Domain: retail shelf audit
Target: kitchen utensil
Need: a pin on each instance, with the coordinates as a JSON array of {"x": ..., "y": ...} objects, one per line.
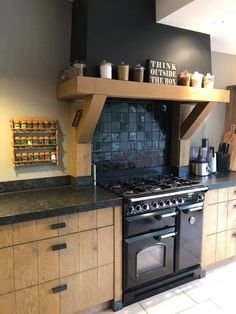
[
  {"x": 202, "y": 168},
  {"x": 212, "y": 160},
  {"x": 222, "y": 162}
]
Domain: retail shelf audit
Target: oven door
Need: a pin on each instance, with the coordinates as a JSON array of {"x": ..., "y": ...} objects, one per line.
[{"x": 148, "y": 257}]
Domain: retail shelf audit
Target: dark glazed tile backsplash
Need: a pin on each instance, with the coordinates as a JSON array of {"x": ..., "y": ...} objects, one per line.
[{"x": 132, "y": 134}]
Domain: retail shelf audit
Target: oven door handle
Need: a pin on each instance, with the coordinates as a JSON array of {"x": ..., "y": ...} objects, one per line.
[
  {"x": 194, "y": 209},
  {"x": 165, "y": 236},
  {"x": 160, "y": 217}
]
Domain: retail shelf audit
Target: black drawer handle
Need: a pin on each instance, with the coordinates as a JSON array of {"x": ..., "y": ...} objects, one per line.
[
  {"x": 58, "y": 247},
  {"x": 58, "y": 226},
  {"x": 234, "y": 235},
  {"x": 59, "y": 289}
]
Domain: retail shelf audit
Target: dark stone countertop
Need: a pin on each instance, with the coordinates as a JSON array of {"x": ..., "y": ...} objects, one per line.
[
  {"x": 218, "y": 181},
  {"x": 49, "y": 202}
]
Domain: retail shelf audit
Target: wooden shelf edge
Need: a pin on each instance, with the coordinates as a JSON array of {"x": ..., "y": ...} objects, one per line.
[{"x": 80, "y": 87}]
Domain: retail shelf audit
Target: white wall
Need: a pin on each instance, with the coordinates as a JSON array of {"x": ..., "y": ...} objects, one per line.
[
  {"x": 223, "y": 67},
  {"x": 34, "y": 47}
]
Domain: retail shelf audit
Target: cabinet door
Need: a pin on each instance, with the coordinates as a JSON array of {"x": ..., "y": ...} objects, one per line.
[
  {"x": 88, "y": 289},
  {"x": 27, "y": 301},
  {"x": 69, "y": 257},
  {"x": 24, "y": 232},
  {"x": 231, "y": 243},
  {"x": 88, "y": 250},
  {"x": 6, "y": 270},
  {"x": 210, "y": 219},
  {"x": 105, "y": 283},
  {"x": 6, "y": 238},
  {"x": 231, "y": 222},
  {"x": 47, "y": 228},
  {"x": 49, "y": 301},
  {"x": 209, "y": 250},
  {"x": 48, "y": 260},
  {"x": 222, "y": 195},
  {"x": 221, "y": 246},
  {"x": 232, "y": 193},
  {"x": 25, "y": 262},
  {"x": 222, "y": 217},
  {"x": 70, "y": 298},
  {"x": 105, "y": 246},
  {"x": 8, "y": 303},
  {"x": 211, "y": 197},
  {"x": 105, "y": 217}
]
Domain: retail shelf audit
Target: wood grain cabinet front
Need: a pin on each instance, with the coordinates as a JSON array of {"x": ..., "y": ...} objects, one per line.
[
  {"x": 8, "y": 304},
  {"x": 7, "y": 280}
]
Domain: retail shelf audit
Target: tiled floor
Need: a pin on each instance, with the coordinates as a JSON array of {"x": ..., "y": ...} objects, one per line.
[{"x": 214, "y": 294}]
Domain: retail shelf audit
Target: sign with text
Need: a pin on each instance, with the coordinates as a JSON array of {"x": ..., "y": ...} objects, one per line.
[{"x": 162, "y": 72}]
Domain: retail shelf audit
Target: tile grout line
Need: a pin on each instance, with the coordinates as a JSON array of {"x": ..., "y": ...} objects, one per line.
[{"x": 142, "y": 307}]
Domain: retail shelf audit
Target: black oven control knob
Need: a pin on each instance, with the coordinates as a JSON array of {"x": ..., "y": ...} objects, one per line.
[
  {"x": 138, "y": 208},
  {"x": 174, "y": 201},
  {"x": 161, "y": 203},
  {"x": 131, "y": 210},
  {"x": 200, "y": 197},
  {"x": 154, "y": 205},
  {"x": 180, "y": 200},
  {"x": 168, "y": 202},
  {"x": 145, "y": 207}
]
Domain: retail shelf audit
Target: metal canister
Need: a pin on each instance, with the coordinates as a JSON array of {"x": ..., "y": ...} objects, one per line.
[
  {"x": 79, "y": 67},
  {"x": 138, "y": 73}
]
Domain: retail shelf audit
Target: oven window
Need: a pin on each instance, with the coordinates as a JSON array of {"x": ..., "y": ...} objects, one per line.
[{"x": 151, "y": 258}]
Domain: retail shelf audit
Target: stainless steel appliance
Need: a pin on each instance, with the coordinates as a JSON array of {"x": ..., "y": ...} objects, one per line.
[{"x": 162, "y": 230}]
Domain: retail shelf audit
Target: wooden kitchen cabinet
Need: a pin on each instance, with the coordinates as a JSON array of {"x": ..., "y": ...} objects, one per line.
[
  {"x": 219, "y": 226},
  {"x": 81, "y": 253}
]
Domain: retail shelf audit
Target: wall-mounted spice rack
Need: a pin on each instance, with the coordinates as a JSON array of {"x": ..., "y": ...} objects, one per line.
[{"x": 34, "y": 141}]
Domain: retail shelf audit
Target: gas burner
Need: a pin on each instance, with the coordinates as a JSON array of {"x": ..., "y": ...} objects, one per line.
[{"x": 129, "y": 192}]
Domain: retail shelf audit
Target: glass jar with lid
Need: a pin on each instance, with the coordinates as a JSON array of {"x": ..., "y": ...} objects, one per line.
[
  {"x": 138, "y": 73},
  {"x": 79, "y": 67},
  {"x": 184, "y": 78},
  {"x": 105, "y": 69}
]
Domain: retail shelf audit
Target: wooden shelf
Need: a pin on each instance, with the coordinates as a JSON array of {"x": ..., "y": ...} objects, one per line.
[
  {"x": 80, "y": 87},
  {"x": 34, "y": 162},
  {"x": 35, "y": 146}
]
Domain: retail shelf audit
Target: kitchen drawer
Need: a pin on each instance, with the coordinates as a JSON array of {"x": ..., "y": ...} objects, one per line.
[
  {"x": 88, "y": 249},
  {"x": 70, "y": 298},
  {"x": 222, "y": 216},
  {"x": 49, "y": 300},
  {"x": 105, "y": 245},
  {"x": 211, "y": 197},
  {"x": 8, "y": 304},
  {"x": 223, "y": 195},
  {"x": 231, "y": 243},
  {"x": 25, "y": 265},
  {"x": 232, "y": 193},
  {"x": 231, "y": 221},
  {"x": 88, "y": 220},
  {"x": 27, "y": 301},
  {"x": 88, "y": 289},
  {"x": 7, "y": 282},
  {"x": 105, "y": 217},
  {"x": 69, "y": 224},
  {"x": 45, "y": 228},
  {"x": 6, "y": 236},
  {"x": 105, "y": 283},
  {"x": 24, "y": 232}
]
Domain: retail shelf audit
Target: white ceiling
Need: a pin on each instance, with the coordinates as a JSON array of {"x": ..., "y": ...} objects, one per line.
[{"x": 214, "y": 17}]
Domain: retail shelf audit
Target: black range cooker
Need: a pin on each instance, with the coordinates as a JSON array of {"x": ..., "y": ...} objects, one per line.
[{"x": 162, "y": 233}]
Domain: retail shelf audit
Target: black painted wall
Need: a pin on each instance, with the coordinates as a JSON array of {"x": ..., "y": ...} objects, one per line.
[{"x": 125, "y": 30}]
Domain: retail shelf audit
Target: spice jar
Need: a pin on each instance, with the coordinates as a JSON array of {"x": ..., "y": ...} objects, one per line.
[
  {"x": 30, "y": 156},
  {"x": 18, "y": 157},
  {"x": 184, "y": 78},
  {"x": 79, "y": 67},
  {"x": 196, "y": 79},
  {"x": 23, "y": 124},
  {"x": 46, "y": 140},
  {"x": 35, "y": 140},
  {"x": 106, "y": 69},
  {"x": 53, "y": 124},
  {"x": 36, "y": 156},
  {"x": 29, "y": 124},
  {"x": 29, "y": 140},
  {"x": 17, "y": 140},
  {"x": 123, "y": 72},
  {"x": 35, "y": 124},
  {"x": 24, "y": 140},
  {"x": 41, "y": 156},
  {"x": 24, "y": 157},
  {"x": 52, "y": 140},
  {"x": 46, "y": 124},
  {"x": 17, "y": 124},
  {"x": 47, "y": 156},
  {"x": 138, "y": 73},
  {"x": 40, "y": 140},
  {"x": 41, "y": 125},
  {"x": 208, "y": 81},
  {"x": 53, "y": 156}
]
